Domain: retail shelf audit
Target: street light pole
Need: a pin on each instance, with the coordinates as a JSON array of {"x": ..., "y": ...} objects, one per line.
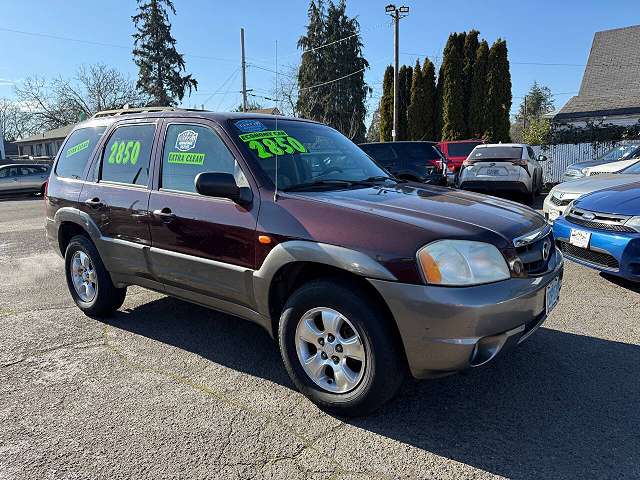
[
  {"x": 244, "y": 73},
  {"x": 396, "y": 14}
]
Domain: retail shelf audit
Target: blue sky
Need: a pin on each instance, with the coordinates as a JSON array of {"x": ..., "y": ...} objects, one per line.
[{"x": 540, "y": 31}]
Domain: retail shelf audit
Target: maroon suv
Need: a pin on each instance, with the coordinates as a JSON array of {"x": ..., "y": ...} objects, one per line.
[{"x": 285, "y": 222}]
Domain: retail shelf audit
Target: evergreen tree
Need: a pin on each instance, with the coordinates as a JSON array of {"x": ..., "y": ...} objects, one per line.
[
  {"x": 471, "y": 45},
  {"x": 453, "y": 115},
  {"x": 477, "y": 111},
  {"x": 373, "y": 132},
  {"x": 405, "y": 75},
  {"x": 155, "y": 54},
  {"x": 311, "y": 71},
  {"x": 416, "y": 115},
  {"x": 386, "y": 106},
  {"x": 536, "y": 103},
  {"x": 429, "y": 88},
  {"x": 498, "y": 93},
  {"x": 340, "y": 104}
]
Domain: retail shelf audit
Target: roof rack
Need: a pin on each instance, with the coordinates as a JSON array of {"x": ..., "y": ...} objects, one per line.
[{"x": 130, "y": 111}]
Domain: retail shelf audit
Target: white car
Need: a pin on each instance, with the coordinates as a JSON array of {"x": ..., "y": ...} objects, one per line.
[
  {"x": 503, "y": 167},
  {"x": 613, "y": 167},
  {"x": 561, "y": 196}
]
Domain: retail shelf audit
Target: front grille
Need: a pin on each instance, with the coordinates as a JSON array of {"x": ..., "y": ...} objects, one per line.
[
  {"x": 612, "y": 227},
  {"x": 591, "y": 174},
  {"x": 596, "y": 258},
  {"x": 561, "y": 203},
  {"x": 531, "y": 255}
]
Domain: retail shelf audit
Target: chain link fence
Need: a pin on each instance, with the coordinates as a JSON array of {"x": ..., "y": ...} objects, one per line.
[{"x": 559, "y": 157}]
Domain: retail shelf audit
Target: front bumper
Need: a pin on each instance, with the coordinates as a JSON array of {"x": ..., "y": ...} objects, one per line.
[
  {"x": 617, "y": 253},
  {"x": 445, "y": 330},
  {"x": 551, "y": 210}
]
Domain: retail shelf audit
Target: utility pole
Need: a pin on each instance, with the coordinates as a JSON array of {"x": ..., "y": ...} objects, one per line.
[
  {"x": 396, "y": 14},
  {"x": 244, "y": 73},
  {"x": 524, "y": 119}
]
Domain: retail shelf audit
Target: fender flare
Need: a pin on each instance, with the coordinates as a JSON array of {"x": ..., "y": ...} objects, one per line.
[{"x": 294, "y": 251}]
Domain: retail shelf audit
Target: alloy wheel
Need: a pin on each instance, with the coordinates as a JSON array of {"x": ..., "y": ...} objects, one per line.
[
  {"x": 330, "y": 350},
  {"x": 83, "y": 276}
]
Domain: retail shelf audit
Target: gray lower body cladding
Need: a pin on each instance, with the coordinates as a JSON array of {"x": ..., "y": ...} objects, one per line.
[{"x": 445, "y": 330}]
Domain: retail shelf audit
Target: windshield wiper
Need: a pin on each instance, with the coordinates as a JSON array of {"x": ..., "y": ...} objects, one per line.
[
  {"x": 367, "y": 182},
  {"x": 317, "y": 184},
  {"x": 381, "y": 178}
]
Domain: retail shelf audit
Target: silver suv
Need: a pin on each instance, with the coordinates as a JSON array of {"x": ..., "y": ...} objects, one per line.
[
  {"x": 23, "y": 178},
  {"x": 503, "y": 167}
]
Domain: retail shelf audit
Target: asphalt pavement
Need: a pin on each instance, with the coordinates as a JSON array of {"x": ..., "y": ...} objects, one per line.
[{"x": 165, "y": 389}]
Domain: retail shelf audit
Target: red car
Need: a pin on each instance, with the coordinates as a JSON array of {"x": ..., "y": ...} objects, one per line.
[{"x": 457, "y": 151}]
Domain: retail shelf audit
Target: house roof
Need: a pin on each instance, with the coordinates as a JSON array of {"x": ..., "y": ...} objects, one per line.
[
  {"x": 611, "y": 83},
  {"x": 266, "y": 111},
  {"x": 55, "y": 134}
]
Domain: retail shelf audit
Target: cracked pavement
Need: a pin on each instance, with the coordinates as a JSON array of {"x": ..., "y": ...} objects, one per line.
[{"x": 165, "y": 389}]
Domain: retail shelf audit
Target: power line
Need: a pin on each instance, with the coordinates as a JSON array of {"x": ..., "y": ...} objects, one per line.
[
  {"x": 102, "y": 44},
  {"x": 332, "y": 81}
]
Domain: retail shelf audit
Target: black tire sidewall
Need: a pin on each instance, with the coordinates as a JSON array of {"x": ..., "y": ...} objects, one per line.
[
  {"x": 383, "y": 371},
  {"x": 108, "y": 298},
  {"x": 76, "y": 244}
]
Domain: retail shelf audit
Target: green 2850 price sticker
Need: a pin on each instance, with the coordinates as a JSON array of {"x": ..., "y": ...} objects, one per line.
[
  {"x": 274, "y": 142},
  {"x": 126, "y": 151}
]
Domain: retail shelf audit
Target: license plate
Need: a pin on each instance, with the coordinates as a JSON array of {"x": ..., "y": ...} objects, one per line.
[
  {"x": 553, "y": 215},
  {"x": 580, "y": 238},
  {"x": 552, "y": 294},
  {"x": 494, "y": 171}
]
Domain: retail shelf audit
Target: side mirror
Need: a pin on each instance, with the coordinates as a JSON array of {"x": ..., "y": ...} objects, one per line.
[
  {"x": 542, "y": 158},
  {"x": 222, "y": 185}
]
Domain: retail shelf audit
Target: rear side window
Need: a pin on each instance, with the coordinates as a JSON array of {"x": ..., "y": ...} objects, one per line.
[
  {"x": 127, "y": 155},
  {"x": 417, "y": 151},
  {"x": 192, "y": 149},
  {"x": 383, "y": 154},
  {"x": 77, "y": 149}
]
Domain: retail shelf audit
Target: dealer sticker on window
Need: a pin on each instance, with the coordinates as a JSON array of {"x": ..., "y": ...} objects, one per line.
[{"x": 273, "y": 142}]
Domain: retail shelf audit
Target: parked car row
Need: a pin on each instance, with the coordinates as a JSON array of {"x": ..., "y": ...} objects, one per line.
[
  {"x": 361, "y": 277},
  {"x": 596, "y": 213}
]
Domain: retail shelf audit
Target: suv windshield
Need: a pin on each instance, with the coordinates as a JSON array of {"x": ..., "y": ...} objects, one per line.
[
  {"x": 461, "y": 149},
  {"x": 481, "y": 153},
  {"x": 622, "y": 152},
  {"x": 307, "y": 153}
]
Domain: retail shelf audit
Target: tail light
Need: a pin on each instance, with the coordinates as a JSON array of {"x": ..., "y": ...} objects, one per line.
[{"x": 521, "y": 163}]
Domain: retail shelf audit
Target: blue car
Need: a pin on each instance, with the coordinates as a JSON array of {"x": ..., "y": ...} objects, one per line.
[{"x": 601, "y": 230}]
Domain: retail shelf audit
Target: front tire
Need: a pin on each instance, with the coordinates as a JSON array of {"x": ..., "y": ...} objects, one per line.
[
  {"x": 339, "y": 348},
  {"x": 88, "y": 280}
]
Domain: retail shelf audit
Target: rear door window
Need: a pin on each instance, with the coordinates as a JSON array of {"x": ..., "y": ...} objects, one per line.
[
  {"x": 77, "y": 150},
  {"x": 417, "y": 156},
  {"x": 127, "y": 155},
  {"x": 191, "y": 149}
]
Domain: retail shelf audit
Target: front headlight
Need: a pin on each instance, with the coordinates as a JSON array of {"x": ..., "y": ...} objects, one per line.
[
  {"x": 462, "y": 263},
  {"x": 633, "y": 222}
]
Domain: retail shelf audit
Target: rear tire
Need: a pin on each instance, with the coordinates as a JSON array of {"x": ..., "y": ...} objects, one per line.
[
  {"x": 342, "y": 384},
  {"x": 89, "y": 282}
]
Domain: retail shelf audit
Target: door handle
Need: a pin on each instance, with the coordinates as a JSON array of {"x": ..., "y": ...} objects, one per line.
[
  {"x": 93, "y": 202},
  {"x": 164, "y": 213}
]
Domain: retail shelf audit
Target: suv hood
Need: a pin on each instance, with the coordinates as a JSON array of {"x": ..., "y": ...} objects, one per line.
[
  {"x": 620, "y": 200},
  {"x": 599, "y": 182},
  {"x": 439, "y": 210}
]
